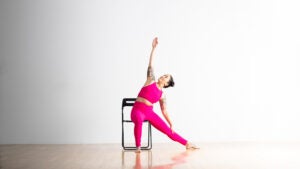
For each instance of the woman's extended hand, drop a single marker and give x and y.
(155, 42)
(171, 127)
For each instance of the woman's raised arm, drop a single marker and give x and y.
(150, 72)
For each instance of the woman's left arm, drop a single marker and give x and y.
(163, 107)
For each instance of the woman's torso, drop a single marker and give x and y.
(149, 94)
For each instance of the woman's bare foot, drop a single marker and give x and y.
(190, 146)
(138, 150)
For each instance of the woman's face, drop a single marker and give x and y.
(164, 79)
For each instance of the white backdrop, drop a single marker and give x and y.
(66, 65)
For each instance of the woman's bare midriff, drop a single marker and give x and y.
(143, 100)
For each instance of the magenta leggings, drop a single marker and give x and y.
(141, 112)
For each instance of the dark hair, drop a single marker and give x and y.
(171, 82)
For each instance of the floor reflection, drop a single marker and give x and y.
(177, 159)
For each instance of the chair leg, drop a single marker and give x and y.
(149, 144)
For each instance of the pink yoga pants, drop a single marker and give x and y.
(141, 112)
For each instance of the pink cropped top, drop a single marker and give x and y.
(150, 92)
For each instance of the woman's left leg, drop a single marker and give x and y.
(158, 123)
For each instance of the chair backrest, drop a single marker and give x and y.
(128, 102)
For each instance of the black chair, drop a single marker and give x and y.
(130, 102)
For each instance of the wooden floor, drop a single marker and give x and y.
(238, 155)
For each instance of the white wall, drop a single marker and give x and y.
(66, 65)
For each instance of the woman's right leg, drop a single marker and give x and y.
(137, 116)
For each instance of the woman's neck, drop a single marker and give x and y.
(160, 85)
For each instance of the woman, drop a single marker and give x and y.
(143, 107)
